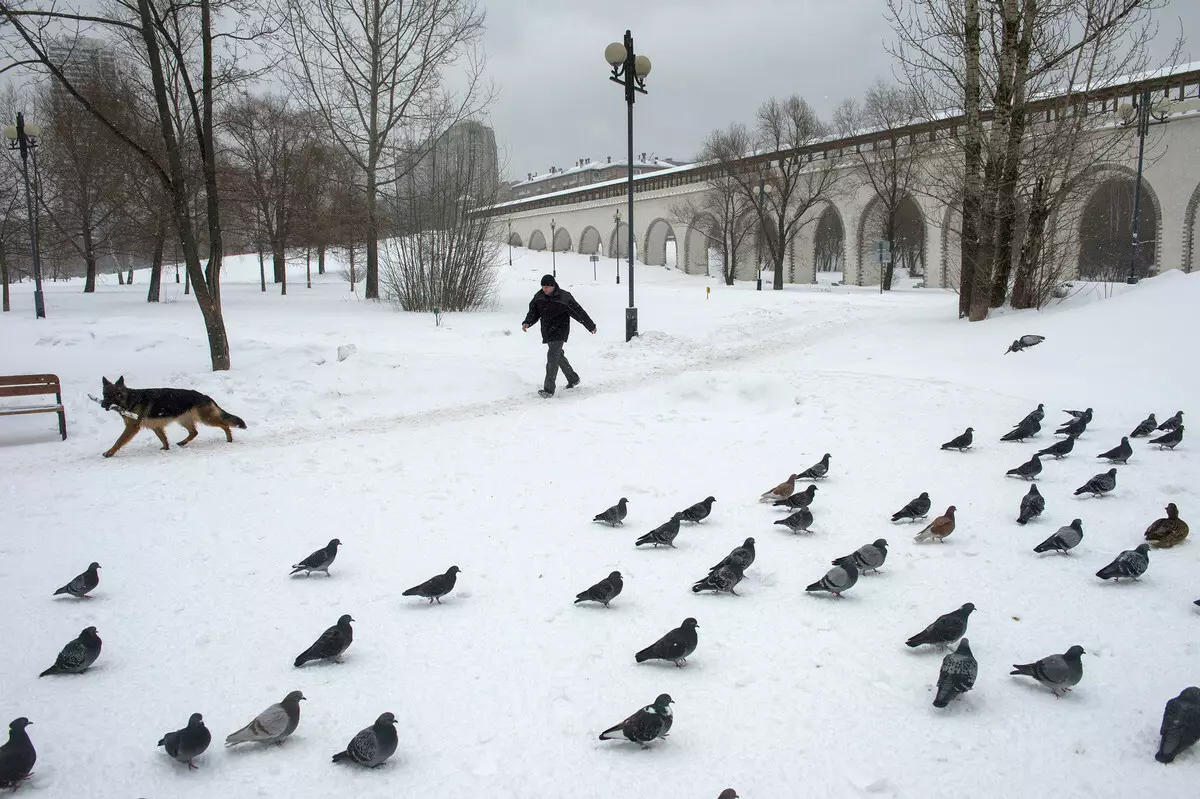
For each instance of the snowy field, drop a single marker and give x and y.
(428, 448)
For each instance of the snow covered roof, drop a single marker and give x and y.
(592, 165)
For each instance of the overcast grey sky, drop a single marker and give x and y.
(714, 62)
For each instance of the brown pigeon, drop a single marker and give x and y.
(939, 528)
(781, 491)
(1168, 532)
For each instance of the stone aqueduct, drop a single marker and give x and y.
(584, 217)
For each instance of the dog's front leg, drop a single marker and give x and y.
(131, 429)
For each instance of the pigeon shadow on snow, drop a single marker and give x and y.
(256, 748)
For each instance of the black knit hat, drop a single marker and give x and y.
(548, 280)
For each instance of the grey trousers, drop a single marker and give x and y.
(556, 358)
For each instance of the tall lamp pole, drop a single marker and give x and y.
(1143, 112)
(24, 139)
(763, 191)
(616, 247)
(630, 71)
(553, 262)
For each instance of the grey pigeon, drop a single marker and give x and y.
(722, 579)
(959, 670)
(962, 441)
(869, 557)
(1145, 427)
(189, 743)
(318, 561)
(372, 746)
(1028, 470)
(651, 722)
(741, 556)
(1024, 342)
(1075, 427)
(1169, 439)
(1099, 485)
(1173, 422)
(664, 534)
(1180, 724)
(332, 643)
(817, 470)
(17, 756)
(798, 522)
(1057, 672)
(604, 591)
(78, 655)
(436, 587)
(1120, 453)
(272, 725)
(801, 499)
(1064, 539)
(839, 579)
(915, 509)
(1059, 449)
(1023, 430)
(1077, 415)
(614, 515)
(1032, 505)
(675, 646)
(946, 629)
(1131, 564)
(698, 512)
(1036, 415)
(82, 584)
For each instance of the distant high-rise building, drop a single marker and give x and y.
(82, 59)
(468, 149)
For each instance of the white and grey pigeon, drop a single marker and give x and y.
(17, 756)
(869, 557)
(741, 556)
(318, 561)
(1180, 725)
(664, 534)
(372, 746)
(721, 580)
(189, 743)
(1064, 539)
(1059, 673)
(331, 644)
(798, 522)
(1145, 427)
(1059, 449)
(82, 584)
(1100, 484)
(958, 673)
(272, 725)
(1027, 470)
(1170, 439)
(436, 586)
(1036, 415)
(1085, 415)
(962, 441)
(801, 499)
(1024, 342)
(604, 591)
(78, 655)
(839, 579)
(946, 629)
(1118, 454)
(1131, 564)
(1175, 421)
(1032, 505)
(614, 515)
(675, 646)
(647, 724)
(698, 512)
(917, 508)
(817, 470)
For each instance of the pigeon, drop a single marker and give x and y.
(1064, 538)
(798, 522)
(664, 534)
(741, 556)
(1036, 415)
(1032, 505)
(1077, 415)
(817, 470)
(1024, 342)
(781, 491)
(272, 725)
(1170, 439)
(604, 591)
(1028, 470)
(840, 578)
(1145, 427)
(1120, 453)
(1099, 485)
(1173, 422)
(372, 746)
(959, 670)
(962, 441)
(1168, 532)
(946, 629)
(698, 512)
(801, 499)
(1024, 430)
(17, 756)
(651, 722)
(915, 509)
(721, 579)
(939, 528)
(332, 643)
(728, 793)
(870, 556)
(1075, 427)
(435, 587)
(1056, 672)
(318, 561)
(1059, 448)
(1180, 724)
(189, 743)
(614, 515)
(82, 584)
(1132, 564)
(78, 655)
(675, 646)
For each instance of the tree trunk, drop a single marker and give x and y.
(321, 259)
(308, 265)
(89, 260)
(353, 275)
(1026, 284)
(972, 158)
(120, 277)
(889, 271)
(277, 265)
(153, 294)
(279, 257)
(372, 277)
(262, 270)
(4, 302)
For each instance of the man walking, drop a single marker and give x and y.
(556, 307)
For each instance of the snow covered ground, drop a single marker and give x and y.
(427, 448)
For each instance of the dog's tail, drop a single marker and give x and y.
(229, 418)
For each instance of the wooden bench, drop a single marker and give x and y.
(32, 386)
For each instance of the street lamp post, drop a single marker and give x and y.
(24, 139)
(616, 248)
(1142, 113)
(553, 262)
(629, 71)
(763, 191)
(510, 242)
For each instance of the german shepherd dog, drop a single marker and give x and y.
(156, 408)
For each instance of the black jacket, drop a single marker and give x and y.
(556, 310)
